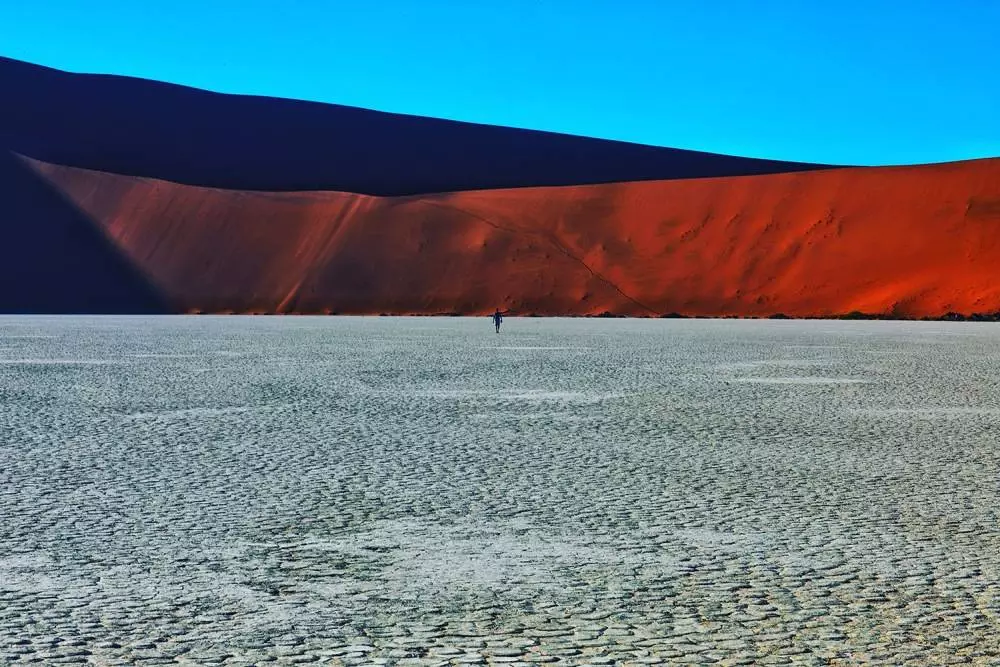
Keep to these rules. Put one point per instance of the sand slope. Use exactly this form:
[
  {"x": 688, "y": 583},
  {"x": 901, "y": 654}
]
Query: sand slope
[
  {"x": 147, "y": 128},
  {"x": 913, "y": 241},
  {"x": 55, "y": 259}
]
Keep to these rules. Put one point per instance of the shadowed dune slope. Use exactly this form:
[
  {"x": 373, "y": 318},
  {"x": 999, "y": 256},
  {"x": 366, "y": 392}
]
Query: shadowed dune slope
[
  {"x": 907, "y": 241},
  {"x": 54, "y": 259},
  {"x": 146, "y": 128}
]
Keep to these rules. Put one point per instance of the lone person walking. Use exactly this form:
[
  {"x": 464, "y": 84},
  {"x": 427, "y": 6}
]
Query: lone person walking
[{"x": 497, "y": 319}]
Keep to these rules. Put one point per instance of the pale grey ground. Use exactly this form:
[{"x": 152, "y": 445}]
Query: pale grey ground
[{"x": 422, "y": 491}]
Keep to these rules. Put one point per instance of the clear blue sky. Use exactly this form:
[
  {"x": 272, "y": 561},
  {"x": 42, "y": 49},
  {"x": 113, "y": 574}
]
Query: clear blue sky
[{"x": 871, "y": 82}]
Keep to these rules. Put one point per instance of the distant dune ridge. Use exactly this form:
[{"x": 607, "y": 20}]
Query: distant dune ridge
[
  {"x": 714, "y": 237},
  {"x": 158, "y": 130}
]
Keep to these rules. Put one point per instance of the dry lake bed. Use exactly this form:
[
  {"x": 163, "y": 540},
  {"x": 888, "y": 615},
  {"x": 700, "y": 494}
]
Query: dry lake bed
[{"x": 237, "y": 490}]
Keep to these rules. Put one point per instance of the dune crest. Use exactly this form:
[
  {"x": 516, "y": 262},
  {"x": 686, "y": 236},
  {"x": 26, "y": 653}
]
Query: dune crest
[{"x": 148, "y": 128}]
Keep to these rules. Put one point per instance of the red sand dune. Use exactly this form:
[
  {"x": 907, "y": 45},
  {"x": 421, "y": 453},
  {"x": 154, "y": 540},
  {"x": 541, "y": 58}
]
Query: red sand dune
[{"x": 908, "y": 242}]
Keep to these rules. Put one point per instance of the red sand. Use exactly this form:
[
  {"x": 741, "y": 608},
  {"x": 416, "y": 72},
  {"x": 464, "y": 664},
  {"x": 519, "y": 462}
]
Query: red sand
[{"x": 907, "y": 241}]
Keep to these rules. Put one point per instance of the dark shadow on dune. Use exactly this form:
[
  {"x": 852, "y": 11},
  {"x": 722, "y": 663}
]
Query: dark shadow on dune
[
  {"x": 53, "y": 259},
  {"x": 147, "y": 128}
]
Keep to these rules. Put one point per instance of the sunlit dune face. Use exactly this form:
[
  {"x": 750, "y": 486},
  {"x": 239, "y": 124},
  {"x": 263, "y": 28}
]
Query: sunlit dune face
[{"x": 907, "y": 242}]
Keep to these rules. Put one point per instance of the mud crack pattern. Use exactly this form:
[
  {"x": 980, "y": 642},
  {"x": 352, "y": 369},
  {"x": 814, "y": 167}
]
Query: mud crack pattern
[{"x": 236, "y": 491}]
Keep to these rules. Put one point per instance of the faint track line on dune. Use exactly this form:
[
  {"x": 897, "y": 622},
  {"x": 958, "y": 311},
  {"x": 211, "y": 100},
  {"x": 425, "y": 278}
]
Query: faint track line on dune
[
  {"x": 317, "y": 254},
  {"x": 548, "y": 236}
]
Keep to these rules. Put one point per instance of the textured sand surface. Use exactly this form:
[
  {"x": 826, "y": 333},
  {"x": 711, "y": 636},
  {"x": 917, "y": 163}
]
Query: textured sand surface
[
  {"x": 422, "y": 491},
  {"x": 906, "y": 242}
]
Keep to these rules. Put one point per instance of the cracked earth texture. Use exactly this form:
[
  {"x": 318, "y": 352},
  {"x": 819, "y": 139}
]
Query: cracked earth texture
[{"x": 417, "y": 491}]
